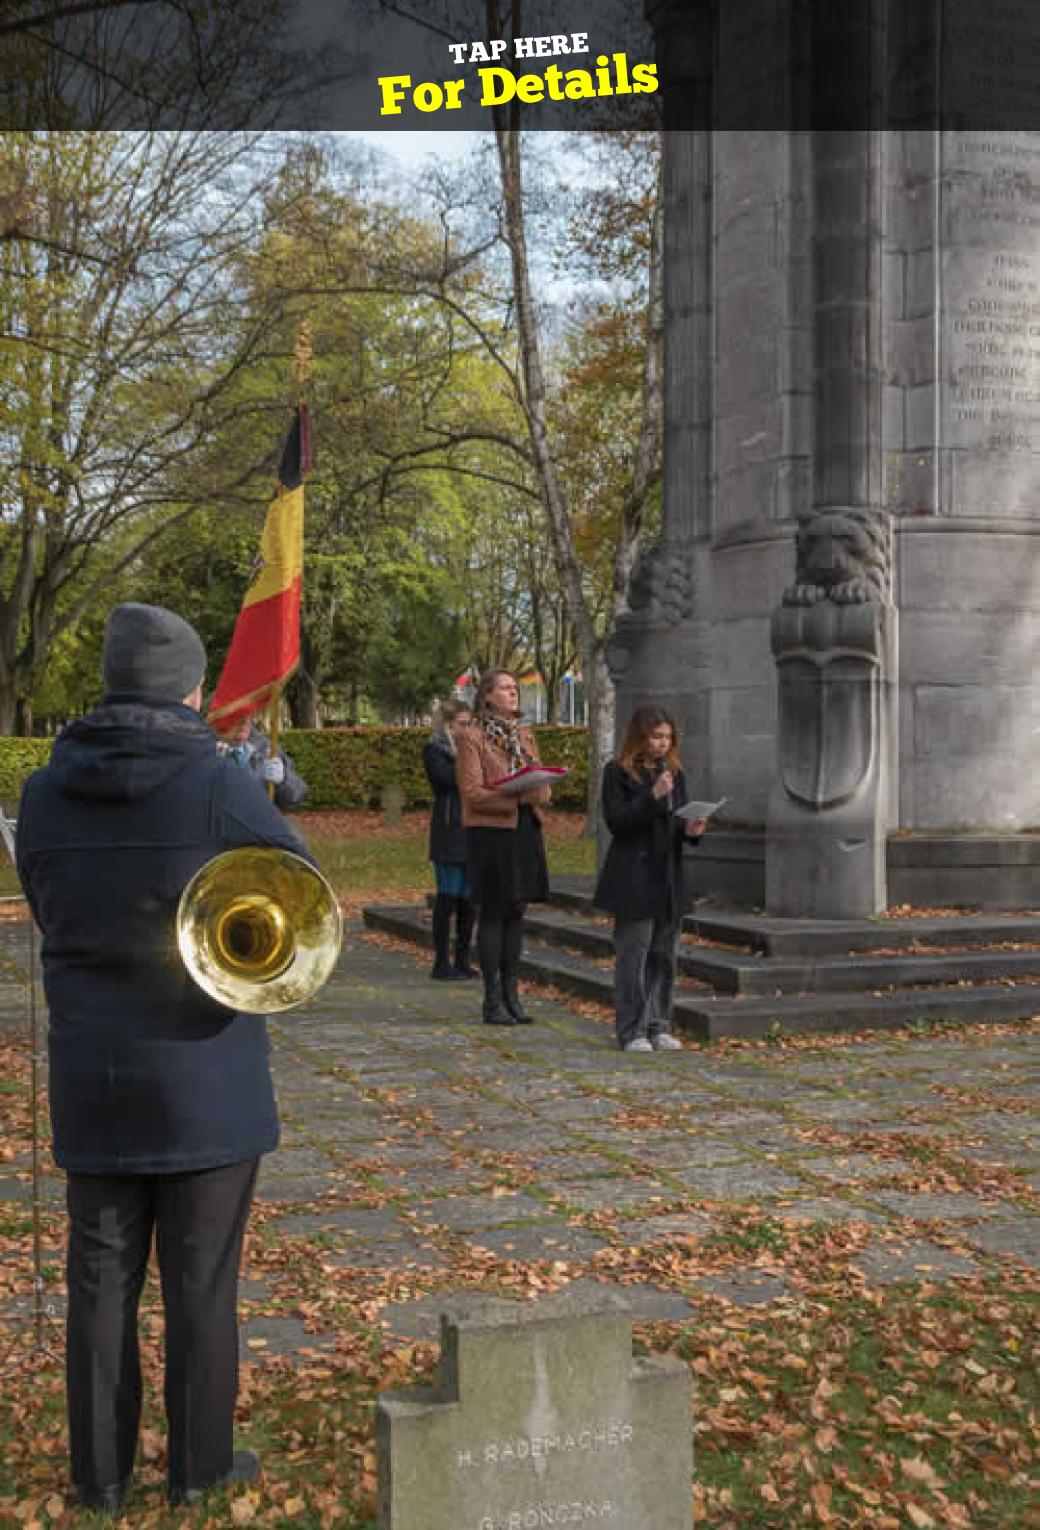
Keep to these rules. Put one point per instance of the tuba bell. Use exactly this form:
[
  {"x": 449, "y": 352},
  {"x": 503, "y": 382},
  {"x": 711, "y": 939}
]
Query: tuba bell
[{"x": 259, "y": 929}]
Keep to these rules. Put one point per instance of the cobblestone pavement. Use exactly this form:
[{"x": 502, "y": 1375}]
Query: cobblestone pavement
[{"x": 412, "y": 1132}]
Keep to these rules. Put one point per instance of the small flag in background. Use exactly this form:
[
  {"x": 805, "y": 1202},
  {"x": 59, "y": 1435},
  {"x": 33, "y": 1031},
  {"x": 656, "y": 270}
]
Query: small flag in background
[{"x": 265, "y": 646}]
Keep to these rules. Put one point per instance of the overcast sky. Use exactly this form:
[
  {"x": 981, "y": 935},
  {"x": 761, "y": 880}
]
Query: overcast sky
[{"x": 413, "y": 149}]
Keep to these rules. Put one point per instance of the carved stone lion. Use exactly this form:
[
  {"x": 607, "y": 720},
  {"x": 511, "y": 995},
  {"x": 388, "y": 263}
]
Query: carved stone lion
[
  {"x": 662, "y": 584},
  {"x": 844, "y": 556}
]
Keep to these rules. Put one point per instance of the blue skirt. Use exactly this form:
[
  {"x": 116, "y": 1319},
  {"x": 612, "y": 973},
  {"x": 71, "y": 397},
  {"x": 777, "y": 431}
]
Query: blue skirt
[{"x": 451, "y": 879}]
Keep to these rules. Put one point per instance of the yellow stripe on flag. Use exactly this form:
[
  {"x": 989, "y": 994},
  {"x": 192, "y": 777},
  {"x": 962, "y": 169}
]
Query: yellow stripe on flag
[{"x": 281, "y": 547}]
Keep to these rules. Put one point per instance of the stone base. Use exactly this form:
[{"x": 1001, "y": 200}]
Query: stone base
[{"x": 991, "y": 871}]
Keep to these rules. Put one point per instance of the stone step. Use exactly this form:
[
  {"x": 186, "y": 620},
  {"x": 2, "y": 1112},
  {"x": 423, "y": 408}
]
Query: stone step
[
  {"x": 744, "y": 973},
  {"x": 709, "y": 1016},
  {"x": 716, "y": 1016},
  {"x": 843, "y": 937},
  {"x": 747, "y": 973},
  {"x": 837, "y": 937}
]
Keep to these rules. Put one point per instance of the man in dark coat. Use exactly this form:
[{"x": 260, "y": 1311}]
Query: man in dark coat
[{"x": 161, "y": 1098}]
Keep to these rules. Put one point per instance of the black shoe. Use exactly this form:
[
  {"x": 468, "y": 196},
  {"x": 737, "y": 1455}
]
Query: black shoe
[
  {"x": 465, "y": 919},
  {"x": 462, "y": 973},
  {"x": 511, "y": 999},
  {"x": 441, "y": 974},
  {"x": 495, "y": 1012},
  {"x": 103, "y": 1500},
  {"x": 245, "y": 1467}
]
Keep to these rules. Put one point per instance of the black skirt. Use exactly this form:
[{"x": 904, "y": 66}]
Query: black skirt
[{"x": 507, "y": 866}]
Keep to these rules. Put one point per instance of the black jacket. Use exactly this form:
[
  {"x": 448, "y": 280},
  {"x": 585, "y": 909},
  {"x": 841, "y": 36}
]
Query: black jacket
[
  {"x": 147, "y": 1074},
  {"x": 447, "y": 836},
  {"x": 642, "y": 874}
]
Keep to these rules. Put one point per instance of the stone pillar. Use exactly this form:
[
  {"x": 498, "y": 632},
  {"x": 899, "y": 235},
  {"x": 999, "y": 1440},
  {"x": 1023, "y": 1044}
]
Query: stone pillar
[
  {"x": 834, "y": 641},
  {"x": 834, "y": 636}
]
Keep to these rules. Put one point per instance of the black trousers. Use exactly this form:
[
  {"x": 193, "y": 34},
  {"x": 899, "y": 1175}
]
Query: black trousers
[{"x": 199, "y": 1221}]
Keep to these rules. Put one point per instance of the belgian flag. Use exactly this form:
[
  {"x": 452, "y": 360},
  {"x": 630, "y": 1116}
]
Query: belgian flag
[{"x": 265, "y": 646}]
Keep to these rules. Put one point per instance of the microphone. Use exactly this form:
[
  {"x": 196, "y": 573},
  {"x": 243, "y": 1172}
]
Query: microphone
[{"x": 660, "y": 766}]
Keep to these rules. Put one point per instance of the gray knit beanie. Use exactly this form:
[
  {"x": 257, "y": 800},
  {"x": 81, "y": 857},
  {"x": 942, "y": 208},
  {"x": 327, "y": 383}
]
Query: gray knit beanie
[{"x": 149, "y": 651}]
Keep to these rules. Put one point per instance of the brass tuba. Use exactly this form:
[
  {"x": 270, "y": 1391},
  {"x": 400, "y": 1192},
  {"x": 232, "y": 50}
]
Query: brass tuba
[{"x": 259, "y": 929}]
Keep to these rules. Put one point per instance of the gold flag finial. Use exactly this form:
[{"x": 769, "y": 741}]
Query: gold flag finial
[{"x": 303, "y": 357}]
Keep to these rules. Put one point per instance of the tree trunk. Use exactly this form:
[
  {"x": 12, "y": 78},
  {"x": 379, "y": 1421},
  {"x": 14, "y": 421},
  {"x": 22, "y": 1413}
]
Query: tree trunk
[
  {"x": 23, "y": 718},
  {"x": 602, "y": 707},
  {"x": 600, "y": 691},
  {"x": 303, "y": 700},
  {"x": 8, "y": 704}
]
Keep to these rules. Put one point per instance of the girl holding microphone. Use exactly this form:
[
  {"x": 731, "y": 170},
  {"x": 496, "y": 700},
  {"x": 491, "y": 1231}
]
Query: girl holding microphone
[{"x": 641, "y": 883}]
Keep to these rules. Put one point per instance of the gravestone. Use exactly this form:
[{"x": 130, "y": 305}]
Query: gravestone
[
  {"x": 392, "y": 798},
  {"x": 843, "y": 609},
  {"x": 540, "y": 1417}
]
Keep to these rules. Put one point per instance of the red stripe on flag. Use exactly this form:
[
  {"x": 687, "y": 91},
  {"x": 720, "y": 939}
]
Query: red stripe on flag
[{"x": 265, "y": 649}]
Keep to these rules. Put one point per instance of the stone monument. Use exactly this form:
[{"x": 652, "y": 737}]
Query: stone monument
[
  {"x": 844, "y": 608},
  {"x": 540, "y": 1417}
]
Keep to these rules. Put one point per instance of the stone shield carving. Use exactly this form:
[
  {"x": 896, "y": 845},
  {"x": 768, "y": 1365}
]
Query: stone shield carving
[
  {"x": 828, "y": 726},
  {"x": 829, "y": 674}
]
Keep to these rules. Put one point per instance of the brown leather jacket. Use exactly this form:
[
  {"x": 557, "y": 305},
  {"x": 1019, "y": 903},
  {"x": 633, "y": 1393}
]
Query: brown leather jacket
[{"x": 478, "y": 763}]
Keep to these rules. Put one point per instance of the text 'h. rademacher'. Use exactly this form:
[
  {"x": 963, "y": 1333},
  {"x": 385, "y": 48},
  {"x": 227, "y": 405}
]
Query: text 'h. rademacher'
[{"x": 265, "y": 647}]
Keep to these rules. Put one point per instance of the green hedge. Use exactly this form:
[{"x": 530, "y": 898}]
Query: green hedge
[
  {"x": 346, "y": 767},
  {"x": 19, "y": 757}
]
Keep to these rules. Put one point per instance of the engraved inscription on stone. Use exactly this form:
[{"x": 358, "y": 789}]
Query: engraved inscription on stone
[
  {"x": 540, "y": 1417},
  {"x": 989, "y": 61},
  {"x": 990, "y": 336}
]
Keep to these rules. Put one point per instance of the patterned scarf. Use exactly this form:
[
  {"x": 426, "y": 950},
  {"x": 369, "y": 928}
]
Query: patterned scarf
[{"x": 505, "y": 735}]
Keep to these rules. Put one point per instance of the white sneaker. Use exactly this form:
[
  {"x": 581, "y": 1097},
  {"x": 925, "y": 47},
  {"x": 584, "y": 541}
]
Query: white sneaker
[
  {"x": 640, "y": 1044},
  {"x": 664, "y": 1041}
]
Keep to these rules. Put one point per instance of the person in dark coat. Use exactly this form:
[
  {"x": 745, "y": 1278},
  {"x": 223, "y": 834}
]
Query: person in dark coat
[
  {"x": 244, "y": 742},
  {"x": 161, "y": 1098},
  {"x": 448, "y": 846},
  {"x": 641, "y": 882}
]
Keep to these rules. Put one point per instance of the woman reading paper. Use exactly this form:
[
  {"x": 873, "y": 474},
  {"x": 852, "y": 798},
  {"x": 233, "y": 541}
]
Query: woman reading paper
[
  {"x": 505, "y": 855},
  {"x": 641, "y": 882}
]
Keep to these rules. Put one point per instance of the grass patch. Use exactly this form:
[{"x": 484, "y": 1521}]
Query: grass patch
[
  {"x": 759, "y": 1237},
  {"x": 912, "y": 1408},
  {"x": 360, "y": 854}
]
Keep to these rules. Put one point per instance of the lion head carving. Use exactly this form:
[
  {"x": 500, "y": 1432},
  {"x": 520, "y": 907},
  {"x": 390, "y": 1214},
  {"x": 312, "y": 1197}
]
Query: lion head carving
[
  {"x": 661, "y": 583},
  {"x": 844, "y": 556}
]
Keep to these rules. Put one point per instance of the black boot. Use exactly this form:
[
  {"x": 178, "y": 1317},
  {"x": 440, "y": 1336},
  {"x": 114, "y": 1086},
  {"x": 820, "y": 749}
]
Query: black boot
[
  {"x": 512, "y": 944},
  {"x": 442, "y": 907},
  {"x": 495, "y": 1012},
  {"x": 511, "y": 998},
  {"x": 464, "y": 921}
]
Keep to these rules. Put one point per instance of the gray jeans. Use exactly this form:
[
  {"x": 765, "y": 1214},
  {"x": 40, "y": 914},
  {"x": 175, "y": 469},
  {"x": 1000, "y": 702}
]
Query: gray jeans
[{"x": 645, "y": 952}]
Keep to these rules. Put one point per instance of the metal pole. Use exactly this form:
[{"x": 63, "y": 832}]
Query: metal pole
[{"x": 8, "y": 827}]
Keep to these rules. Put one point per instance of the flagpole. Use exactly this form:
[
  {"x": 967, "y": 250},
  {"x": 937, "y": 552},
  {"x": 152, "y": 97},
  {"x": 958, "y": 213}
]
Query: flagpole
[
  {"x": 302, "y": 366},
  {"x": 273, "y": 715}
]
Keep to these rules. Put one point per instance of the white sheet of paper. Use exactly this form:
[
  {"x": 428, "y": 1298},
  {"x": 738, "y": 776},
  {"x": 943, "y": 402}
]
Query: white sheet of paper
[
  {"x": 699, "y": 809},
  {"x": 531, "y": 781}
]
